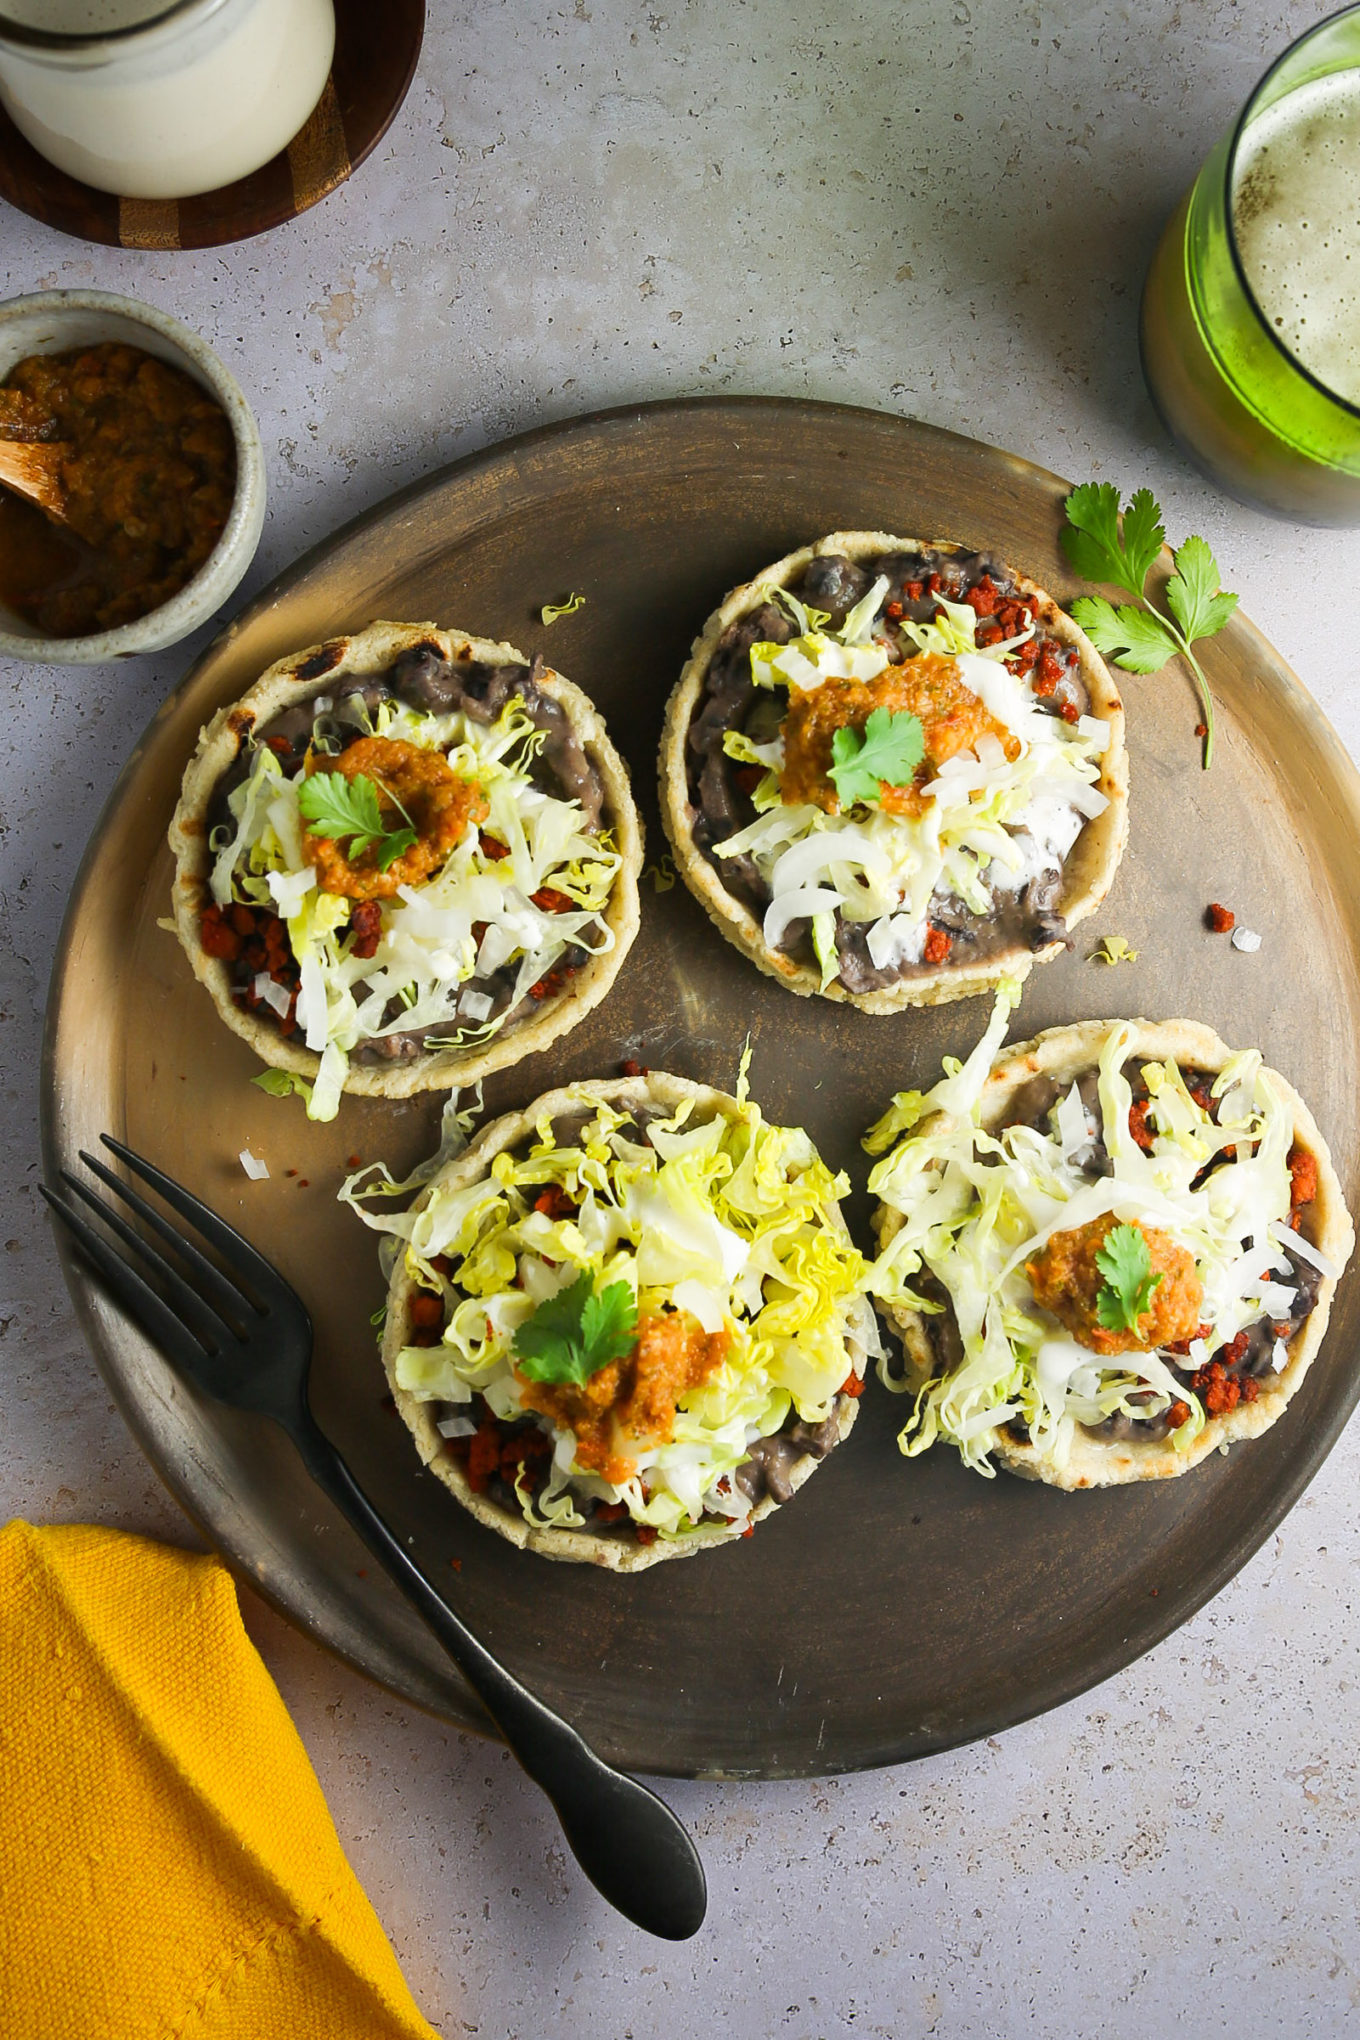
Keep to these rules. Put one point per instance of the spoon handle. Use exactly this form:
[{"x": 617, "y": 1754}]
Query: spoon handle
[
  {"x": 631, "y": 1846},
  {"x": 34, "y": 470}
]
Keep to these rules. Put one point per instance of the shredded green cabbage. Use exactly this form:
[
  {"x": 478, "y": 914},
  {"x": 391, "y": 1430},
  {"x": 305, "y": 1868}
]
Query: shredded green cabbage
[
  {"x": 727, "y": 1218},
  {"x": 975, "y": 1207}
]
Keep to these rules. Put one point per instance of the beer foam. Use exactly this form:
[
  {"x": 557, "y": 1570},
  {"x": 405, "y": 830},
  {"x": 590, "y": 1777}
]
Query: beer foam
[{"x": 1296, "y": 216}]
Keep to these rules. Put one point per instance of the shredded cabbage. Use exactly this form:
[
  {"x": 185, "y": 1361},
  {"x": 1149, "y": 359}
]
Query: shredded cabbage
[
  {"x": 475, "y": 916},
  {"x": 975, "y": 1207},
  {"x": 726, "y": 1217},
  {"x": 992, "y": 825}
]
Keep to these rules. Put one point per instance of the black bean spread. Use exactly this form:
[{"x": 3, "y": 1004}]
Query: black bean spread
[
  {"x": 253, "y": 940},
  {"x": 720, "y": 787}
]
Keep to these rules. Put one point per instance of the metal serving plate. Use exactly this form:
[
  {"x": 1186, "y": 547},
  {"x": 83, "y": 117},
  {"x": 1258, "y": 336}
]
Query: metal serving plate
[{"x": 896, "y": 1607}]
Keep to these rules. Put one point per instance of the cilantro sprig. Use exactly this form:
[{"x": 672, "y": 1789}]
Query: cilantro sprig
[
  {"x": 1125, "y": 1295},
  {"x": 1138, "y": 637},
  {"x": 888, "y": 749},
  {"x": 574, "y": 1334},
  {"x": 336, "y": 807}
]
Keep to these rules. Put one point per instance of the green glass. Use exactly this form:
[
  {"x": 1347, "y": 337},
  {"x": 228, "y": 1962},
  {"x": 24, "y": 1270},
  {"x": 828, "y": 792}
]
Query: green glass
[{"x": 1228, "y": 389}]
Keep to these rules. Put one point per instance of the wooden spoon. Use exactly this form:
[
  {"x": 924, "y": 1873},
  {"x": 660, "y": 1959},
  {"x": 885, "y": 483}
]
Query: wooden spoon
[{"x": 34, "y": 470}]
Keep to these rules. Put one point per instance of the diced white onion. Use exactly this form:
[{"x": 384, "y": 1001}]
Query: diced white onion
[
  {"x": 1095, "y": 731},
  {"x": 273, "y": 995},
  {"x": 896, "y": 939},
  {"x": 456, "y": 1427},
  {"x": 253, "y": 1166},
  {"x": 1088, "y": 800},
  {"x": 1245, "y": 939}
]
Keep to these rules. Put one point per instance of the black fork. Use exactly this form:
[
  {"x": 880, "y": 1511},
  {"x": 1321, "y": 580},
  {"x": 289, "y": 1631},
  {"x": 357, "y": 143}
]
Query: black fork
[{"x": 248, "y": 1342}]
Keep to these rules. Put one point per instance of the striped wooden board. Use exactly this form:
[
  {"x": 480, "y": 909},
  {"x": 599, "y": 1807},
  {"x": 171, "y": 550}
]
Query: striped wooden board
[{"x": 376, "y": 50}]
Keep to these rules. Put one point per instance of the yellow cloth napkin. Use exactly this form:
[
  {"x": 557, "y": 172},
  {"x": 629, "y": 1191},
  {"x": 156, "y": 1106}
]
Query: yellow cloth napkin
[{"x": 168, "y": 1869}]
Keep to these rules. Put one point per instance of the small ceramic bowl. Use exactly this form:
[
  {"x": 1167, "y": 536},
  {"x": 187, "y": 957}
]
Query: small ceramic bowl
[{"x": 55, "y": 322}]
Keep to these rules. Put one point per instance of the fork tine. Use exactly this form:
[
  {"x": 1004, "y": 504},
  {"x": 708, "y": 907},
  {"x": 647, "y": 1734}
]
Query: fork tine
[
  {"x": 183, "y": 1298},
  {"x": 225, "y": 1294},
  {"x": 137, "y": 1297},
  {"x": 238, "y": 1253}
]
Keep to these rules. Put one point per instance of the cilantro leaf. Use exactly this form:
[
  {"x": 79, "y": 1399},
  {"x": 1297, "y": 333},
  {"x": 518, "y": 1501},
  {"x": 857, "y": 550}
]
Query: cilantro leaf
[
  {"x": 395, "y": 846},
  {"x": 888, "y": 749},
  {"x": 574, "y": 1334},
  {"x": 1144, "y": 537},
  {"x": 337, "y": 807},
  {"x": 1194, "y": 593},
  {"x": 609, "y": 1324},
  {"x": 1138, "y": 639},
  {"x": 1125, "y": 1261},
  {"x": 1091, "y": 537}
]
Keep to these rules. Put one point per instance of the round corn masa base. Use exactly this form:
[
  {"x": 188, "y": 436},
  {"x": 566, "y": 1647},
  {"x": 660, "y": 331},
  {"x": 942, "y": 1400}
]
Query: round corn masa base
[
  {"x": 617, "y": 1549},
  {"x": 316, "y": 670},
  {"x": 1088, "y": 870},
  {"x": 1062, "y": 1053}
]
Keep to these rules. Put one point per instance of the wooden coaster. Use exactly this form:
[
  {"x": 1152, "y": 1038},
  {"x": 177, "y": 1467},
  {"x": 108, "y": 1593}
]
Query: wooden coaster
[{"x": 376, "y": 51}]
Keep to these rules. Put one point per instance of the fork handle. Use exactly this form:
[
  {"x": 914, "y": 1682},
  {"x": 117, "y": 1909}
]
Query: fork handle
[{"x": 631, "y": 1846}]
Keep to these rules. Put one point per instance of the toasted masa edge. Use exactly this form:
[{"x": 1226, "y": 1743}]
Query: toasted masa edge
[
  {"x": 617, "y": 1552},
  {"x": 367, "y": 655},
  {"x": 1062, "y": 1053},
  {"x": 1088, "y": 871}
]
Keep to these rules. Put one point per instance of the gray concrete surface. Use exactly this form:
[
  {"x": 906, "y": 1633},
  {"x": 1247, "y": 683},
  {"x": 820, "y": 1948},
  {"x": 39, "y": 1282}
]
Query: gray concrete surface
[{"x": 940, "y": 207}]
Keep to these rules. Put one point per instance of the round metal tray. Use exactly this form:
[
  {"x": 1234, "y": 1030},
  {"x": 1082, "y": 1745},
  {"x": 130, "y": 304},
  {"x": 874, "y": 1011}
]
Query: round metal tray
[{"x": 895, "y": 1607}]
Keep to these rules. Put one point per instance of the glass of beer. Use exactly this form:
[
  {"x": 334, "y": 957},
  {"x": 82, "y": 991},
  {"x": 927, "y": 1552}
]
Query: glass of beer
[{"x": 1250, "y": 328}]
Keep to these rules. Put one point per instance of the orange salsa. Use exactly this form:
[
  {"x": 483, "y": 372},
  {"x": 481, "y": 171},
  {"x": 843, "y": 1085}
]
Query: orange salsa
[
  {"x": 632, "y": 1400},
  {"x": 930, "y": 687},
  {"x": 440, "y": 804},
  {"x": 1066, "y": 1281}
]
